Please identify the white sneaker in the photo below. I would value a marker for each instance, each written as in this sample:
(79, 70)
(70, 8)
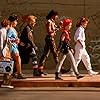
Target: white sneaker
(72, 74)
(91, 72)
(7, 86)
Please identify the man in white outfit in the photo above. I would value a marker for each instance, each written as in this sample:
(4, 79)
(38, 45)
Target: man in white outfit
(80, 47)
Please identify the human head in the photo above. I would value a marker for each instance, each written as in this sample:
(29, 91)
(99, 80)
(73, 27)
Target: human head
(67, 24)
(5, 23)
(82, 22)
(13, 20)
(29, 19)
(52, 15)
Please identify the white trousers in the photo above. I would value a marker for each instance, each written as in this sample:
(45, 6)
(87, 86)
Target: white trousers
(71, 59)
(81, 54)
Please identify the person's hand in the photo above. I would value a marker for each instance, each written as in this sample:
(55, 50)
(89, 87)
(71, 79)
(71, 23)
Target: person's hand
(61, 24)
(58, 50)
(22, 44)
(72, 51)
(57, 29)
(36, 48)
(17, 41)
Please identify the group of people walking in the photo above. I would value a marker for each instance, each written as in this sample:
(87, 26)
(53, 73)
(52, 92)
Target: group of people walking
(23, 47)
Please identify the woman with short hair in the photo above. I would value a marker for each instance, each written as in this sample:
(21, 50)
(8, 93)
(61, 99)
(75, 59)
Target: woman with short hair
(3, 42)
(13, 37)
(27, 47)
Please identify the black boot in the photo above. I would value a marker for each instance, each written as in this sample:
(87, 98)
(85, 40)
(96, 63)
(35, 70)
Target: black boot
(79, 76)
(41, 72)
(36, 72)
(57, 77)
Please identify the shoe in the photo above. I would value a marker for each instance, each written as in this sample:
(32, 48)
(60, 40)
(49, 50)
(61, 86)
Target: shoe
(20, 76)
(63, 70)
(36, 72)
(7, 86)
(44, 73)
(57, 77)
(72, 74)
(79, 76)
(91, 72)
(13, 75)
(41, 72)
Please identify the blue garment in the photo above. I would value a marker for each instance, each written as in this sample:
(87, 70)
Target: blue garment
(12, 35)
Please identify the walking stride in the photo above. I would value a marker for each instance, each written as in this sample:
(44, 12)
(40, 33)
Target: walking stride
(80, 47)
(66, 50)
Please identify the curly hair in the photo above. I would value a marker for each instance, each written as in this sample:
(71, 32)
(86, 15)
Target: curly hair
(51, 13)
(27, 18)
(5, 23)
(82, 20)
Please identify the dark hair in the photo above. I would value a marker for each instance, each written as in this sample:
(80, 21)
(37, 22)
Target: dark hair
(5, 23)
(51, 13)
(12, 18)
(82, 20)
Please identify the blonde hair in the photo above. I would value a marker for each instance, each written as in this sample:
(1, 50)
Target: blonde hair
(28, 18)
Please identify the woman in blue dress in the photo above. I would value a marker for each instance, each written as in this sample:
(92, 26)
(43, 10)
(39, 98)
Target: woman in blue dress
(13, 37)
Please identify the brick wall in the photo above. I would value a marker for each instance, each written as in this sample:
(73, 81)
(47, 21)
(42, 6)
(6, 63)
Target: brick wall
(66, 8)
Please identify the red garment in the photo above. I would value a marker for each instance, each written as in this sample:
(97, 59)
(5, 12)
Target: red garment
(65, 34)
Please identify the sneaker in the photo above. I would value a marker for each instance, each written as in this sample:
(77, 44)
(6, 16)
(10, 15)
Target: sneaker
(79, 76)
(91, 72)
(7, 86)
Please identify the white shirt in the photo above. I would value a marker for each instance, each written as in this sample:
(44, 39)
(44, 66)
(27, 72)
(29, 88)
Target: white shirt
(80, 35)
(3, 34)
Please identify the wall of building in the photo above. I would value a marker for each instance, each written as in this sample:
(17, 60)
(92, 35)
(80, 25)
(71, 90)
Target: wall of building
(67, 8)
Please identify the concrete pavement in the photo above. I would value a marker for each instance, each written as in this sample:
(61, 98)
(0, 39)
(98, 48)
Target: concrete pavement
(48, 93)
(49, 81)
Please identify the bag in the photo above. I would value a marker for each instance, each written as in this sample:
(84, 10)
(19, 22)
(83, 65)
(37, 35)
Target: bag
(6, 67)
(6, 52)
(6, 64)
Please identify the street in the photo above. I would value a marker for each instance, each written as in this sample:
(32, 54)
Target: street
(52, 93)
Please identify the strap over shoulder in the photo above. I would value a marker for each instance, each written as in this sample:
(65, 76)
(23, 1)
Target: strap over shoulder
(6, 51)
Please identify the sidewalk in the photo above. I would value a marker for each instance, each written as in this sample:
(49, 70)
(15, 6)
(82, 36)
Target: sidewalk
(49, 80)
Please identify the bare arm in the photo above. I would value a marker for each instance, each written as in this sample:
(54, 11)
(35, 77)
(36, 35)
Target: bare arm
(50, 29)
